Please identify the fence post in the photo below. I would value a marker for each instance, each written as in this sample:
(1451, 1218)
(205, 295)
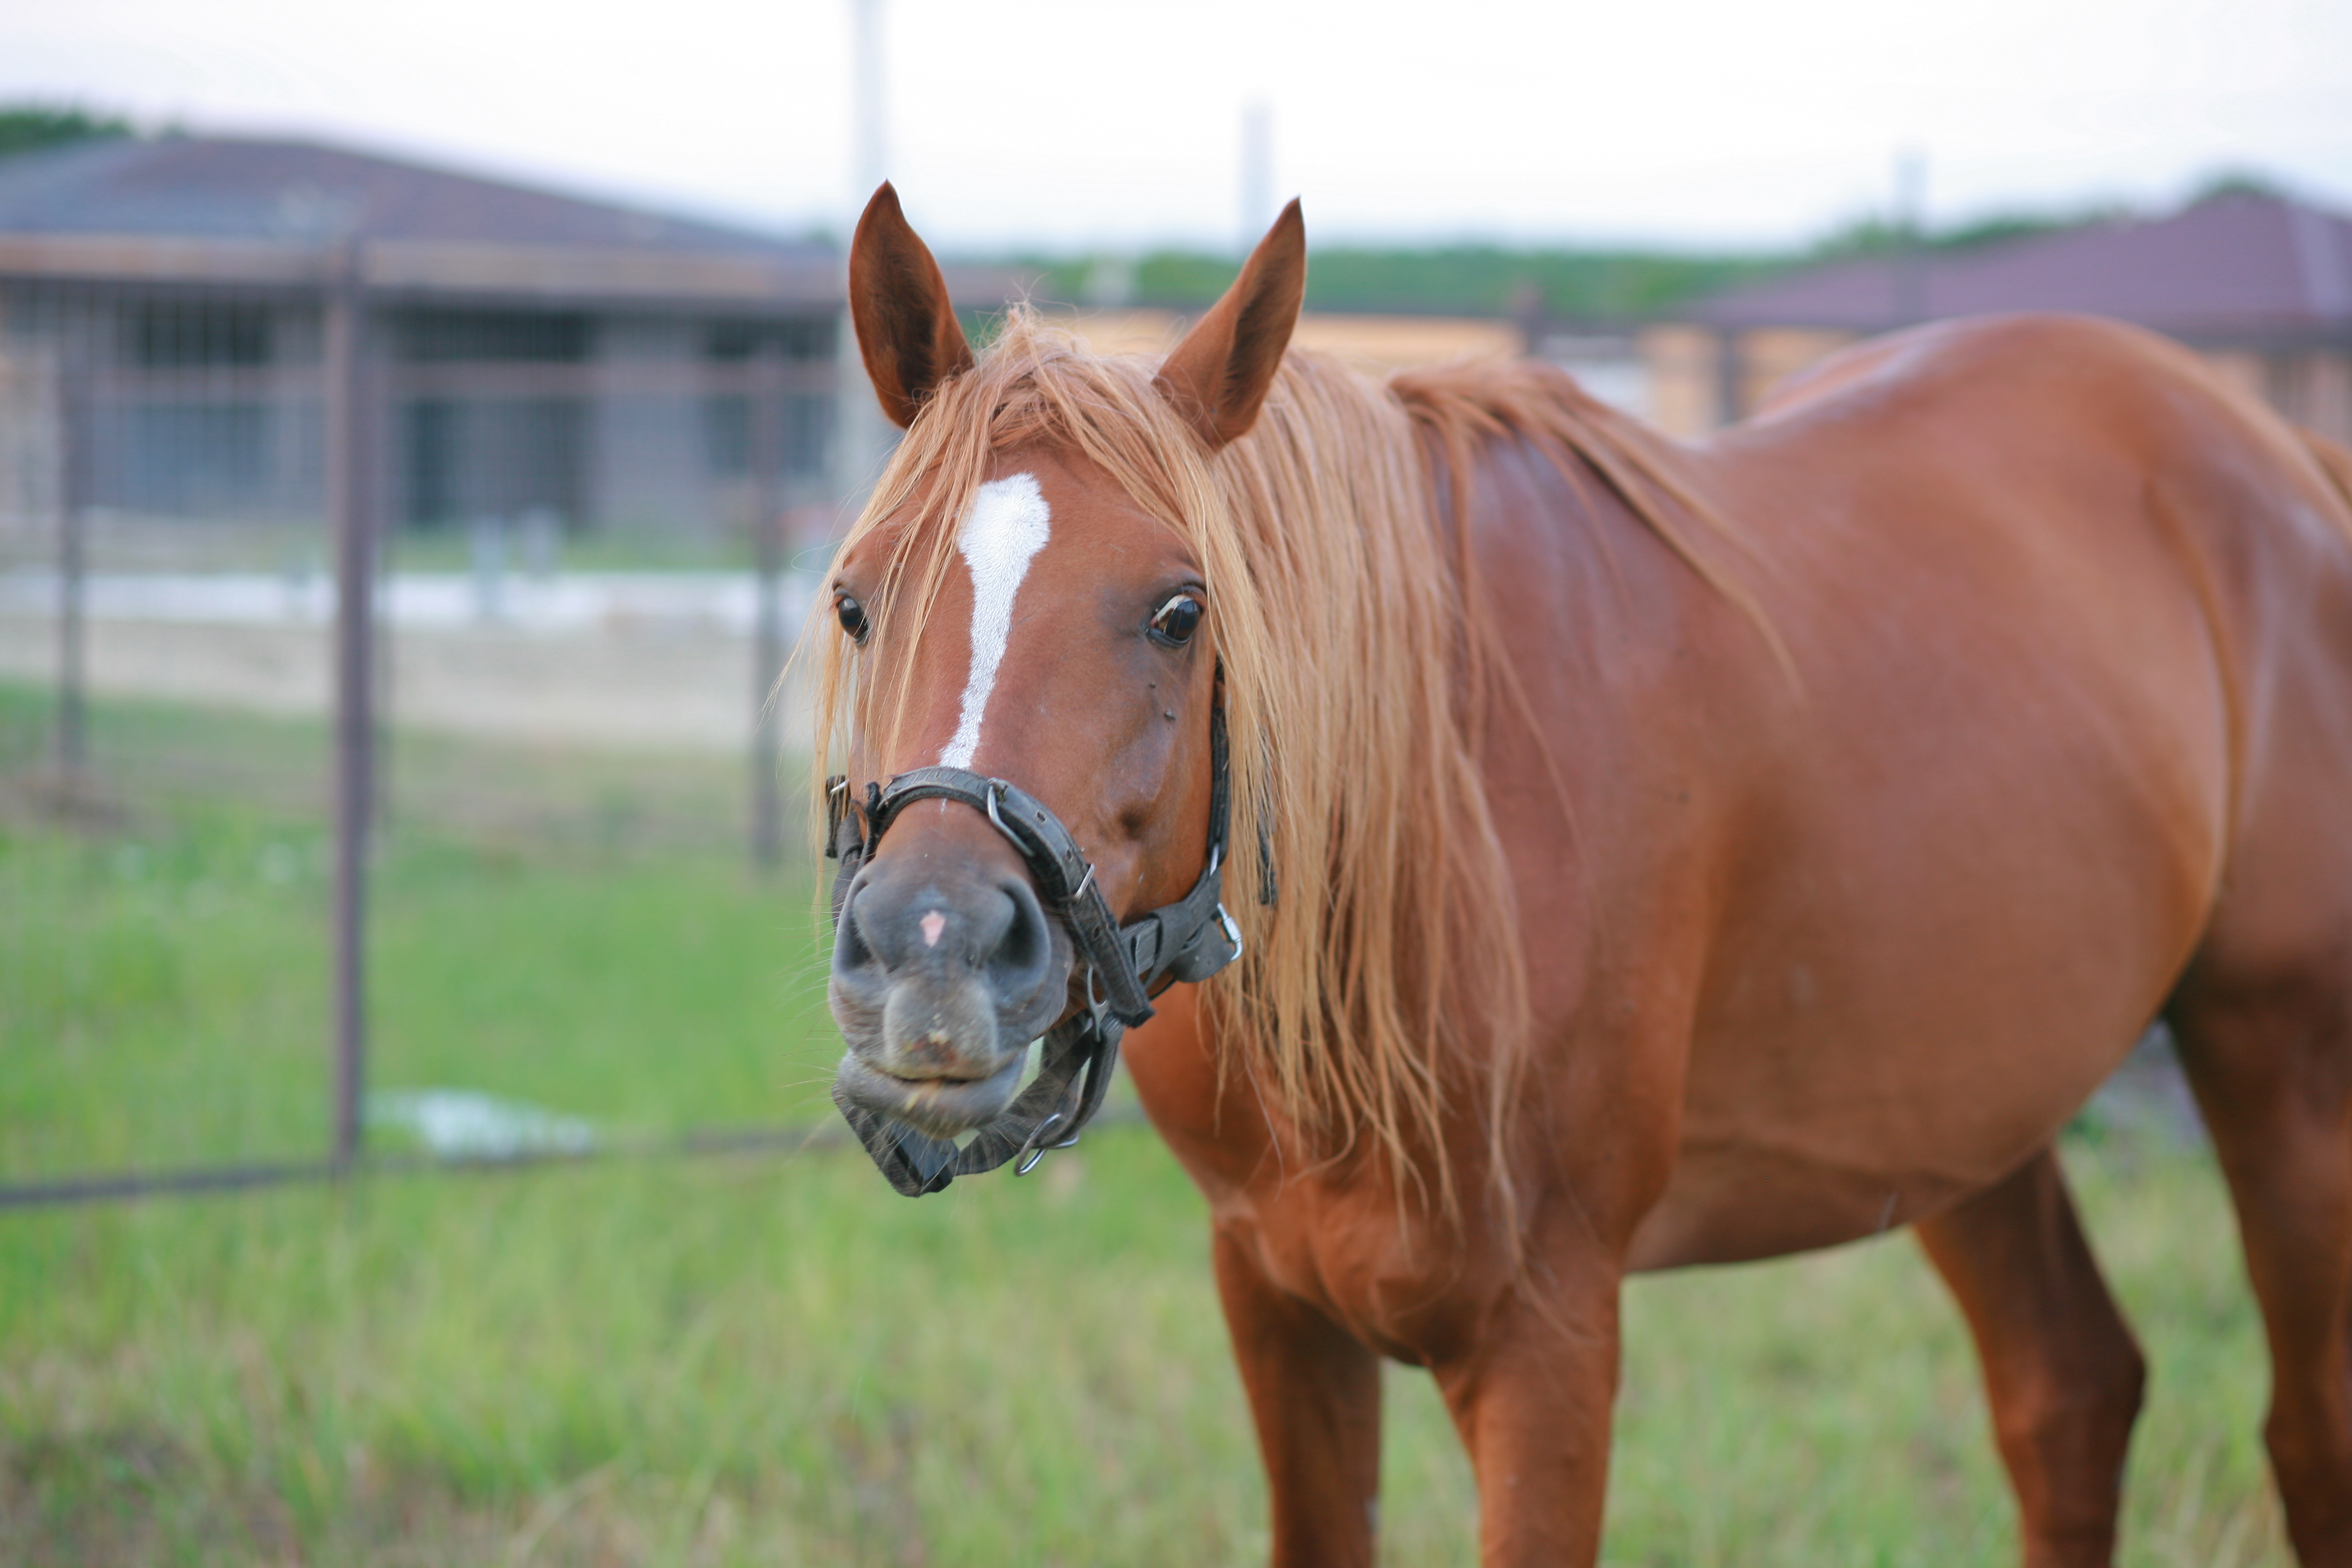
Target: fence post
(348, 511)
(73, 576)
(768, 609)
(1731, 376)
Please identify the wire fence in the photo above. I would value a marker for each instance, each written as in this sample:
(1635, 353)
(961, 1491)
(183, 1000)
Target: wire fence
(338, 621)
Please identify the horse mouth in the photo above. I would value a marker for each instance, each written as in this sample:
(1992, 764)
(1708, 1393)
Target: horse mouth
(941, 1107)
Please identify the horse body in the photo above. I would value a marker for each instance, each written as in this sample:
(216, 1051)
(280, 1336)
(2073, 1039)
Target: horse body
(1975, 849)
(2032, 722)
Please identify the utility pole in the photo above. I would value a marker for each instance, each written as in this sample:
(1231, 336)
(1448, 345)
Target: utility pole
(1910, 253)
(1256, 172)
(869, 149)
(860, 437)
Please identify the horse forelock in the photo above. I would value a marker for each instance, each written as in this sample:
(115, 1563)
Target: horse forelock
(1382, 995)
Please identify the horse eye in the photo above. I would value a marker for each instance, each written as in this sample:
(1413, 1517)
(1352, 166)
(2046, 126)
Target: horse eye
(1178, 619)
(853, 617)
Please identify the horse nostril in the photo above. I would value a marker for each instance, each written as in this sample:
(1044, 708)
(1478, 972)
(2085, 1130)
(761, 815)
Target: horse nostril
(851, 952)
(1018, 959)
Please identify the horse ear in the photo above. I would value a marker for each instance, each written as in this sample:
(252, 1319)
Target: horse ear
(1219, 376)
(906, 328)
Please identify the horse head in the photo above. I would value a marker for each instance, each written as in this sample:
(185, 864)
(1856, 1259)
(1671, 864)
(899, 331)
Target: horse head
(1020, 625)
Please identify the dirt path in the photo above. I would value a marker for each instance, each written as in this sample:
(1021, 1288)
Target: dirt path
(667, 688)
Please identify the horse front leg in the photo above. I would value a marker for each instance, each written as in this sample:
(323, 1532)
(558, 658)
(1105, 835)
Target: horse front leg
(1315, 1393)
(1532, 1399)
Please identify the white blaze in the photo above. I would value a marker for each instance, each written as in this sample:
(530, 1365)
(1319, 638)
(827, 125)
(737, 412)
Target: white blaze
(1006, 527)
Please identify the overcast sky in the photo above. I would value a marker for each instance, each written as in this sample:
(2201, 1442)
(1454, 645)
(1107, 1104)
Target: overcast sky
(1085, 122)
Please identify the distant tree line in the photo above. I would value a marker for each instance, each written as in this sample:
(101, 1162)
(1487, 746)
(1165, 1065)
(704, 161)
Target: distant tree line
(1451, 280)
(1563, 282)
(37, 127)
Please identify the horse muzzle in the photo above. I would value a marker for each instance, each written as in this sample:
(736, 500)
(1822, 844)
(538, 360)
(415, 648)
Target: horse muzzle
(939, 982)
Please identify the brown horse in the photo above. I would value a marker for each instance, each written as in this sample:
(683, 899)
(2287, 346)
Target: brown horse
(1645, 853)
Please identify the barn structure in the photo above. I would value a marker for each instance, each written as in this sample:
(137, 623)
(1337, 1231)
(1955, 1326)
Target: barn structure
(2260, 283)
(521, 354)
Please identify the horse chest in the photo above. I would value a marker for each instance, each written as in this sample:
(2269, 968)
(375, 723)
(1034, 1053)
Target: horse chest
(1330, 1238)
(1399, 1288)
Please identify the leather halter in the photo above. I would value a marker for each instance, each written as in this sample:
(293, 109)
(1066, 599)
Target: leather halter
(1122, 966)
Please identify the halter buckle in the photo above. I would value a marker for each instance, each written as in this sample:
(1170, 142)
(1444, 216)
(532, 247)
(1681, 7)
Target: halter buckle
(1097, 1005)
(994, 792)
(1031, 1150)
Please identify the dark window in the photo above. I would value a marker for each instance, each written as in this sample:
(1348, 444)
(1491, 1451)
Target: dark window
(194, 333)
(797, 338)
(805, 420)
(809, 340)
(540, 337)
(730, 341)
(497, 457)
(430, 453)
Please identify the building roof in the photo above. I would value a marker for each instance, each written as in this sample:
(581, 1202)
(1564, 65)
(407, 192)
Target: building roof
(2237, 266)
(233, 188)
(204, 208)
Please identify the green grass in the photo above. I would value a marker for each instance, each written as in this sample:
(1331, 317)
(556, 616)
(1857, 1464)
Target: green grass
(164, 979)
(780, 1360)
(776, 1360)
(648, 548)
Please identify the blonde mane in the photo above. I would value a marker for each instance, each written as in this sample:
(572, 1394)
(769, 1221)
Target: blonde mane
(1385, 990)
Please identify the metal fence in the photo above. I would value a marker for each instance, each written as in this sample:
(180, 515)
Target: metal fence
(499, 541)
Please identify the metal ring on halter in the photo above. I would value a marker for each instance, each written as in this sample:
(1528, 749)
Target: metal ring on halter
(838, 805)
(1025, 1160)
(1232, 932)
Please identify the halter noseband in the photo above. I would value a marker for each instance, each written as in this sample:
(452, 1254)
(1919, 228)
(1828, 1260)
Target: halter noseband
(1125, 965)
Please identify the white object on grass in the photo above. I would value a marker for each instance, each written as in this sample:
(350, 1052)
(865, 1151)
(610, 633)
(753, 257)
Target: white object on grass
(465, 1123)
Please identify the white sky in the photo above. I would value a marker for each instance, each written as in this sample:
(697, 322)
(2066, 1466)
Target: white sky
(1084, 123)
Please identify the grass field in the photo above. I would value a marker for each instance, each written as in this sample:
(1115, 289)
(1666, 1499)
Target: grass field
(775, 1360)
(576, 931)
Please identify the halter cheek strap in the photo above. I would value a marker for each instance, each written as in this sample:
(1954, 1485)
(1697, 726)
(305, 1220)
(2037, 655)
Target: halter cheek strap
(1124, 966)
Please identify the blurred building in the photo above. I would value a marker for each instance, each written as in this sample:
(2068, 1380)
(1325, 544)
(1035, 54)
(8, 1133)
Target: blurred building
(529, 355)
(2259, 284)
(1377, 344)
